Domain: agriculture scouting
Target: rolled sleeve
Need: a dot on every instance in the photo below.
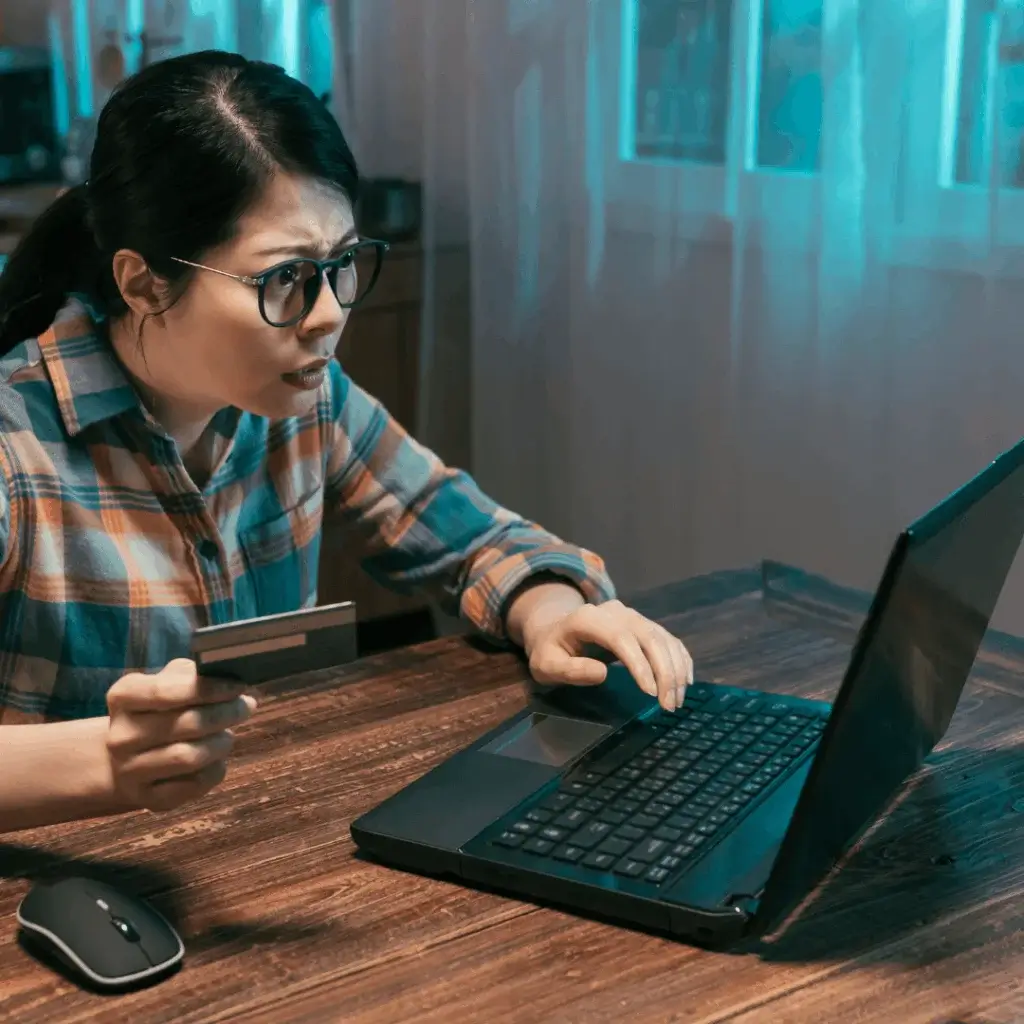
(519, 551)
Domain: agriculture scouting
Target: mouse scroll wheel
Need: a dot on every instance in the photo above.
(125, 927)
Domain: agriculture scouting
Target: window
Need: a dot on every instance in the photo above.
(789, 86)
(681, 91)
(720, 106)
(720, 110)
(971, 102)
(985, 135)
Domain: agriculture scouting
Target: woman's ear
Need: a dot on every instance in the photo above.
(143, 292)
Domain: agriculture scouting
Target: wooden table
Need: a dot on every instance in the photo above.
(284, 923)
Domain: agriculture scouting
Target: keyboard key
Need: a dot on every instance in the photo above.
(671, 834)
(552, 832)
(588, 805)
(575, 788)
(649, 850)
(614, 846)
(669, 862)
(684, 850)
(569, 853)
(591, 834)
(526, 828)
(630, 868)
(601, 861)
(657, 810)
(612, 816)
(571, 819)
(656, 875)
(509, 839)
(542, 817)
(630, 832)
(539, 846)
(626, 806)
(707, 829)
(556, 802)
(644, 821)
(730, 807)
(681, 821)
(750, 705)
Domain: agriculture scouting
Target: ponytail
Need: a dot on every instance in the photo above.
(58, 256)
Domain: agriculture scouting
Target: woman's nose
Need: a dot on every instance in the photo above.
(327, 315)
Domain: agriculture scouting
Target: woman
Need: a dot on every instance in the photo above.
(175, 429)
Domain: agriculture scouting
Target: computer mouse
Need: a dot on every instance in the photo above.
(103, 937)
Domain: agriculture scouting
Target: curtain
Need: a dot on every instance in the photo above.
(746, 276)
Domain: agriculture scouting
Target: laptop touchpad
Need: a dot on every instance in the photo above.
(547, 739)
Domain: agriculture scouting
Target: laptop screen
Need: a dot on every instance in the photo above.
(907, 672)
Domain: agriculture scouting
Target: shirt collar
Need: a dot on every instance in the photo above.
(89, 383)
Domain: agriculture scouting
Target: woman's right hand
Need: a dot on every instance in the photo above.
(169, 734)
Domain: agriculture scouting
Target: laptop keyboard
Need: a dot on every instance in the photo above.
(650, 805)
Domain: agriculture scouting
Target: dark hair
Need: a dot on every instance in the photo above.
(182, 149)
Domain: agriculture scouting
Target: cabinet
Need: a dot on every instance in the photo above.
(379, 350)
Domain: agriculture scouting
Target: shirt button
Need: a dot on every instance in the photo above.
(208, 549)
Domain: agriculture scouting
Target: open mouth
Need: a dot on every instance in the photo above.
(309, 378)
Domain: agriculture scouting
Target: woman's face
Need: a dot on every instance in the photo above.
(212, 348)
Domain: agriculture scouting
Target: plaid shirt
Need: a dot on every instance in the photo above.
(112, 556)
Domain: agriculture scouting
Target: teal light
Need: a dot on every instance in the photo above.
(83, 61)
(628, 81)
(290, 37)
(61, 104)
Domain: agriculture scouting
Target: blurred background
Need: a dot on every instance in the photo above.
(692, 282)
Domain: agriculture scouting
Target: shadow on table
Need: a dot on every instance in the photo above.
(162, 888)
(955, 843)
(36, 864)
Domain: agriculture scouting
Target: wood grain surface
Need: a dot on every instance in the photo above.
(284, 923)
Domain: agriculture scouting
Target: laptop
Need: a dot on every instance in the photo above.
(715, 822)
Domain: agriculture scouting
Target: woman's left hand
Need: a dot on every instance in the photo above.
(560, 651)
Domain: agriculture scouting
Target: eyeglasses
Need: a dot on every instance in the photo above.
(288, 291)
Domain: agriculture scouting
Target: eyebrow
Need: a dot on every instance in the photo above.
(309, 249)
